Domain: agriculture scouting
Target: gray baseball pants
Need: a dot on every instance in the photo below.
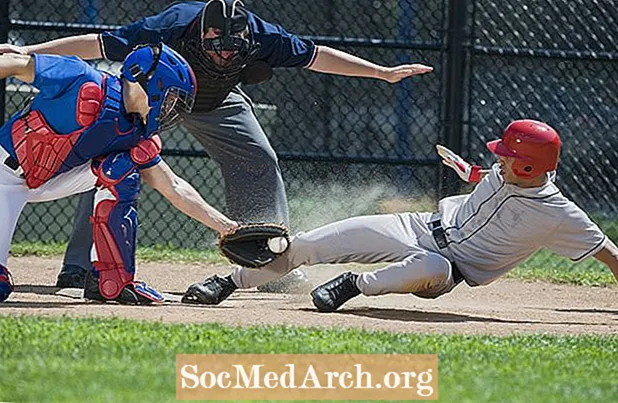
(416, 266)
(233, 137)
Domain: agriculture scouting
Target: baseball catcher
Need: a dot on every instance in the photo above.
(89, 130)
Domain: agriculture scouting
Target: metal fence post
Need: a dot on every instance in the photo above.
(403, 93)
(5, 27)
(454, 90)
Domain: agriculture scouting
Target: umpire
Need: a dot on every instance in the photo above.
(226, 45)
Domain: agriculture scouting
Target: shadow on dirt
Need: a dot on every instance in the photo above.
(36, 289)
(405, 315)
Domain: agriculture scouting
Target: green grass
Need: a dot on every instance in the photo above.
(157, 253)
(118, 360)
(547, 266)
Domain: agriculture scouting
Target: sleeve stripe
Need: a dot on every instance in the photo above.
(313, 57)
(592, 251)
(102, 46)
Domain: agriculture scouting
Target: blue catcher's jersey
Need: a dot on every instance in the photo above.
(60, 81)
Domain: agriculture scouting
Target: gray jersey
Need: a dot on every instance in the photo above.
(498, 225)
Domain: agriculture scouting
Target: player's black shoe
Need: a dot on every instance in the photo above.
(136, 293)
(71, 276)
(334, 293)
(211, 291)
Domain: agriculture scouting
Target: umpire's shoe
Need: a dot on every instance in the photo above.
(212, 291)
(295, 282)
(331, 295)
(137, 293)
(71, 276)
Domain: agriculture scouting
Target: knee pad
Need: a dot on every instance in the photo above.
(115, 223)
(6, 283)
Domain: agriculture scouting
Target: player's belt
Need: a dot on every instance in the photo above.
(435, 226)
(10, 162)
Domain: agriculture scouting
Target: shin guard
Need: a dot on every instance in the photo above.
(115, 227)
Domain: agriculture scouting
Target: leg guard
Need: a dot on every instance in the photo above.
(6, 283)
(115, 227)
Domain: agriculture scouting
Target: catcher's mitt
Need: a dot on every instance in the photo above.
(255, 245)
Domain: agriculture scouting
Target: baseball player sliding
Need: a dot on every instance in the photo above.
(515, 210)
(86, 129)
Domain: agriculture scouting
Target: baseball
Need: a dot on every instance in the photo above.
(278, 244)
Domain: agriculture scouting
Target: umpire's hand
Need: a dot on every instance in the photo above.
(398, 73)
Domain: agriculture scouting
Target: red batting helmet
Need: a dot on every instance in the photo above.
(535, 146)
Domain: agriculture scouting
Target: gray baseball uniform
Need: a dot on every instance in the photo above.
(485, 234)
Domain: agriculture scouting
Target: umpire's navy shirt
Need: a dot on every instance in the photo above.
(278, 48)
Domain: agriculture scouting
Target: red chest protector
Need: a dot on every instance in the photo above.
(41, 151)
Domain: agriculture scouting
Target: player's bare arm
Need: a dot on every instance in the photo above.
(609, 256)
(85, 46)
(185, 198)
(332, 61)
(18, 66)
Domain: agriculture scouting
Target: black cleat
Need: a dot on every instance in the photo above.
(211, 291)
(71, 276)
(295, 282)
(334, 293)
(137, 293)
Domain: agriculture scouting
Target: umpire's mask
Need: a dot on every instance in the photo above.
(229, 47)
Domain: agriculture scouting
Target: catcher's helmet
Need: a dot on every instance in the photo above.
(231, 18)
(168, 81)
(535, 146)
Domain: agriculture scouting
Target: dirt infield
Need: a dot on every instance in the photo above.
(503, 308)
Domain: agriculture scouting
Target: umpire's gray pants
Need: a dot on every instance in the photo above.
(404, 240)
(233, 137)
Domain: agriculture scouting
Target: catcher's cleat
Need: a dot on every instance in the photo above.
(71, 276)
(331, 295)
(295, 282)
(135, 293)
(212, 291)
(6, 283)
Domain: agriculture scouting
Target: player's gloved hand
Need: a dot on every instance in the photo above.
(466, 171)
(255, 245)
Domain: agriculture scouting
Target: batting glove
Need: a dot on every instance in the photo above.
(467, 172)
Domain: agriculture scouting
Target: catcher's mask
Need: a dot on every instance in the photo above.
(234, 47)
(534, 145)
(167, 79)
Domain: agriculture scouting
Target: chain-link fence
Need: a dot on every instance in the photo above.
(353, 146)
